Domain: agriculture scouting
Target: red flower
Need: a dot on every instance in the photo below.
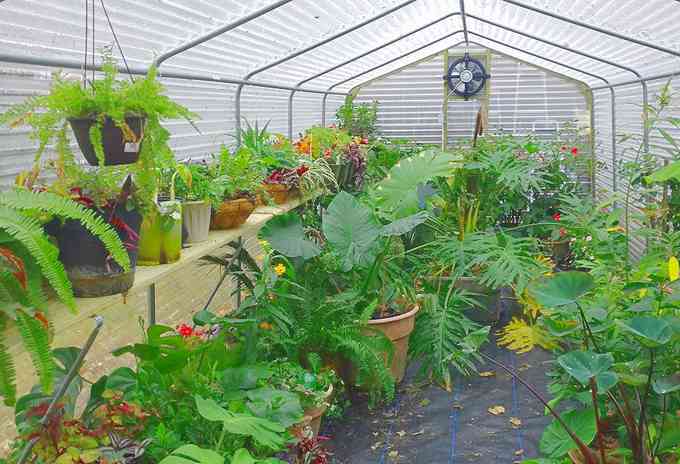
(302, 169)
(185, 330)
(556, 216)
(563, 148)
(574, 151)
(125, 408)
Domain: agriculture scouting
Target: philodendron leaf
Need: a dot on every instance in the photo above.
(243, 456)
(192, 454)
(561, 289)
(652, 332)
(584, 365)
(351, 230)
(666, 385)
(556, 442)
(286, 235)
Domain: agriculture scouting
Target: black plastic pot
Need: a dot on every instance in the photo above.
(91, 270)
(116, 149)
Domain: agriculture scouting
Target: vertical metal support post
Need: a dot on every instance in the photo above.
(645, 116)
(593, 154)
(63, 386)
(613, 129)
(445, 102)
(151, 304)
(290, 114)
(323, 109)
(237, 114)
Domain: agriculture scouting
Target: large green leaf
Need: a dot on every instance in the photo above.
(352, 231)
(404, 225)
(666, 385)
(282, 407)
(192, 454)
(244, 377)
(556, 442)
(399, 189)
(650, 331)
(210, 410)
(561, 289)
(286, 235)
(666, 173)
(243, 456)
(584, 365)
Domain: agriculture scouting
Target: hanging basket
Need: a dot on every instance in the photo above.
(87, 262)
(231, 214)
(117, 150)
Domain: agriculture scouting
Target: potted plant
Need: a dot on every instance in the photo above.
(115, 121)
(196, 206)
(161, 231)
(232, 190)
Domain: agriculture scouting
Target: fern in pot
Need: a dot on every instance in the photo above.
(115, 121)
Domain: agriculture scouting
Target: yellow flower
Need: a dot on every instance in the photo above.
(280, 269)
(673, 269)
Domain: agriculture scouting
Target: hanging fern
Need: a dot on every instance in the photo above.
(8, 373)
(36, 339)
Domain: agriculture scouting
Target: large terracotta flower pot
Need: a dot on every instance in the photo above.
(196, 220)
(231, 214)
(117, 150)
(312, 417)
(398, 329)
(278, 192)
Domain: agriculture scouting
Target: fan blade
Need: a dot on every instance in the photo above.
(456, 87)
(455, 76)
(477, 75)
(467, 89)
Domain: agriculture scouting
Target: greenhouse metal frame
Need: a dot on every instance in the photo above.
(466, 30)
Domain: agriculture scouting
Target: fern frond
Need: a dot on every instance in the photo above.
(8, 374)
(29, 233)
(36, 340)
(59, 206)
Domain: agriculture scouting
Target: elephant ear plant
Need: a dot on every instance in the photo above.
(624, 368)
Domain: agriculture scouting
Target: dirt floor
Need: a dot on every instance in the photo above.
(487, 418)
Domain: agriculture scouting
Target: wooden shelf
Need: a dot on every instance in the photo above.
(146, 276)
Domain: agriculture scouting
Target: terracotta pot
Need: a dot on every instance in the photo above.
(278, 192)
(231, 214)
(117, 150)
(398, 329)
(196, 220)
(312, 417)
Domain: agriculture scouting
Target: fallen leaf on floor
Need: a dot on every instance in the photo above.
(376, 445)
(523, 367)
(419, 432)
(425, 402)
(457, 406)
(401, 433)
(393, 454)
(497, 410)
(487, 374)
(519, 452)
(375, 434)
(516, 422)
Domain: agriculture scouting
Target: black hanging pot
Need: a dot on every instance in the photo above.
(117, 149)
(92, 271)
